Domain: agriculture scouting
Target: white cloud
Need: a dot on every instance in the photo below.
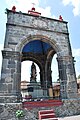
(66, 2)
(75, 4)
(25, 5)
(45, 12)
(76, 52)
(21, 5)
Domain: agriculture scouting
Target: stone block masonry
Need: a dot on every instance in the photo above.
(69, 108)
(21, 29)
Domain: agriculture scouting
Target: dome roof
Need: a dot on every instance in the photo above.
(36, 46)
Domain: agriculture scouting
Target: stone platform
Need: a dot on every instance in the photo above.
(68, 108)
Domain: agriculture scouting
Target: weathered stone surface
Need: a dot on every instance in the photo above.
(9, 112)
(1, 109)
(7, 97)
(69, 108)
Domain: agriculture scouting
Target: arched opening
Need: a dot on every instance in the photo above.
(54, 68)
(27, 85)
(55, 78)
(41, 53)
(26, 71)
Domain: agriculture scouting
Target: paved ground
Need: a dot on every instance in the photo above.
(70, 118)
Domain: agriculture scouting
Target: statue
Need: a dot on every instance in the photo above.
(33, 72)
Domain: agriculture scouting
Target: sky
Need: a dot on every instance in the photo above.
(70, 11)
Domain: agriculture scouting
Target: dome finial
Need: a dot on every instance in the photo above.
(33, 12)
(33, 8)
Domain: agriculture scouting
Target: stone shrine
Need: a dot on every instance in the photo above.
(36, 38)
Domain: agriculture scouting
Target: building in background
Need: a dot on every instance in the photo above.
(78, 85)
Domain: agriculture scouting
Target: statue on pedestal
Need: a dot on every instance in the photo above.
(33, 72)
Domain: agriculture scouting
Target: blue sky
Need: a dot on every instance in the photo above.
(69, 9)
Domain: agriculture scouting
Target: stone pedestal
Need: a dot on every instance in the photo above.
(37, 90)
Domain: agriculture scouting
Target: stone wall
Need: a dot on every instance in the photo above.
(69, 108)
(8, 112)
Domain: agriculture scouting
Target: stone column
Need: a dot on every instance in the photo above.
(42, 78)
(10, 77)
(68, 84)
(71, 79)
(62, 78)
(45, 82)
(47, 77)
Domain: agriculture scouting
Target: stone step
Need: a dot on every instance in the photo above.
(47, 115)
(52, 115)
(44, 103)
(46, 111)
(50, 119)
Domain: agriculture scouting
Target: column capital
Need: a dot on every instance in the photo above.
(64, 58)
(10, 54)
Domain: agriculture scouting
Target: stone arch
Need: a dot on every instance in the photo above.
(43, 38)
(56, 48)
(36, 61)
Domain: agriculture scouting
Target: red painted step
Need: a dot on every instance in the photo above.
(44, 103)
(47, 115)
(46, 111)
(44, 116)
